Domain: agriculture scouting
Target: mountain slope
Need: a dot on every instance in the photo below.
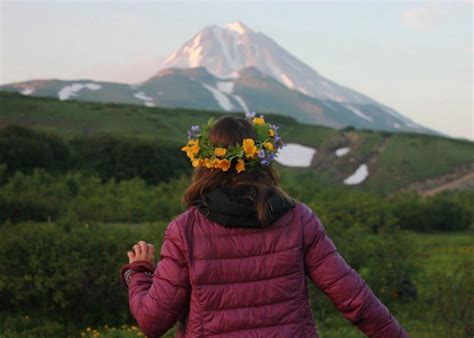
(394, 160)
(249, 89)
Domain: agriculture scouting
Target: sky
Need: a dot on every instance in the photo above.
(416, 57)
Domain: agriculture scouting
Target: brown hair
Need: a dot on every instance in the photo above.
(261, 181)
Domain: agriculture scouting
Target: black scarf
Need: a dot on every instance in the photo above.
(231, 207)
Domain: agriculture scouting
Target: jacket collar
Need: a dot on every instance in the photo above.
(229, 207)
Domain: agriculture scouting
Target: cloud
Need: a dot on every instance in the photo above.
(422, 18)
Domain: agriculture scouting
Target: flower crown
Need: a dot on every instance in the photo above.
(261, 151)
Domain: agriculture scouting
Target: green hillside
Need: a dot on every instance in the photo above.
(394, 159)
(81, 182)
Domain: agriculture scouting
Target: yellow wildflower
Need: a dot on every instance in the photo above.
(240, 166)
(271, 132)
(268, 145)
(249, 147)
(197, 162)
(191, 148)
(220, 152)
(207, 163)
(216, 163)
(258, 120)
(224, 164)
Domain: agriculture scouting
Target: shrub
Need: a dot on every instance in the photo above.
(22, 149)
(71, 272)
(445, 211)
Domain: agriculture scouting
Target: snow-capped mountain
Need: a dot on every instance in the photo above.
(233, 68)
(223, 51)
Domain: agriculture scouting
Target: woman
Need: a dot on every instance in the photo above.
(236, 263)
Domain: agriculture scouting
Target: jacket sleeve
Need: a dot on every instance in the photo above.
(157, 299)
(343, 285)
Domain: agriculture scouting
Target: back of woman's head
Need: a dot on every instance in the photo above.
(261, 181)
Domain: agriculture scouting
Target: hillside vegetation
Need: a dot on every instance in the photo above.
(80, 183)
(394, 159)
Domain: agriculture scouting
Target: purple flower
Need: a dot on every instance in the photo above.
(271, 156)
(261, 153)
(264, 162)
(250, 115)
(194, 131)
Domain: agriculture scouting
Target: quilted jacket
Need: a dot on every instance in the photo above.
(218, 281)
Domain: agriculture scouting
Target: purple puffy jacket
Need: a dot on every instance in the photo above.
(240, 282)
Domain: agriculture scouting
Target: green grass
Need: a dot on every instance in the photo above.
(443, 251)
(411, 157)
(435, 252)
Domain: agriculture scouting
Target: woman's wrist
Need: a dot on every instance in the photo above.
(127, 271)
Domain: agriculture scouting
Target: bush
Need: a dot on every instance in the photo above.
(71, 272)
(22, 149)
(445, 211)
(43, 196)
(119, 158)
(126, 158)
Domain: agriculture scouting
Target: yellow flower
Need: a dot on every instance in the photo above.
(268, 145)
(207, 163)
(225, 164)
(220, 152)
(249, 147)
(191, 148)
(271, 132)
(196, 162)
(240, 166)
(258, 120)
(216, 163)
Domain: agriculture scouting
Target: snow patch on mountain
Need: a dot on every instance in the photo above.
(72, 90)
(287, 81)
(220, 97)
(142, 96)
(148, 101)
(236, 27)
(295, 155)
(195, 52)
(358, 176)
(228, 88)
(225, 86)
(27, 91)
(242, 103)
(342, 151)
(359, 113)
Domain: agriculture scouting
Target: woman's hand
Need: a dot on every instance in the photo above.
(142, 251)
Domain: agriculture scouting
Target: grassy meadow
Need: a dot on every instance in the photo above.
(81, 182)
